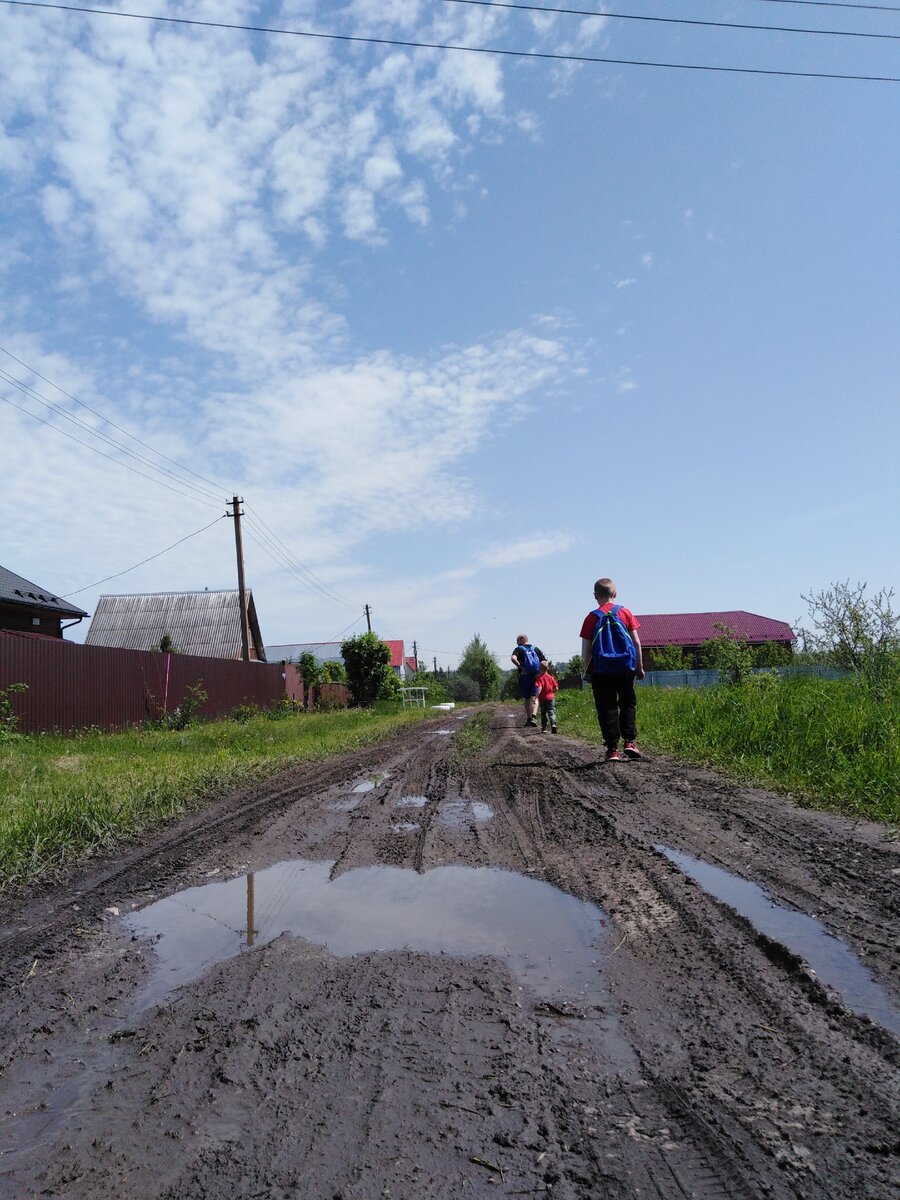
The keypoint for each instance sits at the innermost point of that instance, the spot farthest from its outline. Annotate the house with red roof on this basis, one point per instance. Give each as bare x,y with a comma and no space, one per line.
690,630
324,652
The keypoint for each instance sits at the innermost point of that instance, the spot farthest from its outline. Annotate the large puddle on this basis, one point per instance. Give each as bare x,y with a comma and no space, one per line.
551,941
835,965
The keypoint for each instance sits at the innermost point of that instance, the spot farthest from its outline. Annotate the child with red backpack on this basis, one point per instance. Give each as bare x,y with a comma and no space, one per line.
612,658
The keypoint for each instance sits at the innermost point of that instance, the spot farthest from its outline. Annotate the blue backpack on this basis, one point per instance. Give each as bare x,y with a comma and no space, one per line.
531,664
612,647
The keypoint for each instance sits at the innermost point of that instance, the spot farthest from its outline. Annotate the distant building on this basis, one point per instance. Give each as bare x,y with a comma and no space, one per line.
324,652
690,630
202,623
27,608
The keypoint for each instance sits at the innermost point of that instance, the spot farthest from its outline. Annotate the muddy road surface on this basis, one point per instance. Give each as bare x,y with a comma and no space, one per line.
418,973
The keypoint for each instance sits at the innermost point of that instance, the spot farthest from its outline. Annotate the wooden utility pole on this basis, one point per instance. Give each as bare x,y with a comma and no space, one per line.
368,619
242,590
415,653
434,660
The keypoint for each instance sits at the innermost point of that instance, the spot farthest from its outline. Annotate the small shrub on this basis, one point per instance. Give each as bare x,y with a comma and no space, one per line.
243,713
9,718
728,654
287,706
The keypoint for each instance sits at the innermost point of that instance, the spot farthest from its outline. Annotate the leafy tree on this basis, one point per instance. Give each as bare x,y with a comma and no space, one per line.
479,664
462,688
436,692
728,654
309,668
772,654
509,689
365,658
670,658
334,671
389,688
853,631
166,645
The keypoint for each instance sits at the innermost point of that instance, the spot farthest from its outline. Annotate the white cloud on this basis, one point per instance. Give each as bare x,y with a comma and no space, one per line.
526,549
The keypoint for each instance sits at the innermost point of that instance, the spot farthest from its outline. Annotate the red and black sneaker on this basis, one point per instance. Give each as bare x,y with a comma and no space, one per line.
613,755
632,751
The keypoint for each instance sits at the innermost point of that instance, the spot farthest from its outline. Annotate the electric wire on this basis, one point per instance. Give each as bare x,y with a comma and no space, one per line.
283,556
538,55
324,587
87,445
107,421
616,16
836,4
278,556
58,409
128,570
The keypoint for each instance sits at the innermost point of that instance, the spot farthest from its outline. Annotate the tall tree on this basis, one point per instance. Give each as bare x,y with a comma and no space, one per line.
479,664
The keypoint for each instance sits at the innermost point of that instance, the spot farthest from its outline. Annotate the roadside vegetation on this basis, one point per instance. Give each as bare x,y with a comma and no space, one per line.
834,743
471,737
66,796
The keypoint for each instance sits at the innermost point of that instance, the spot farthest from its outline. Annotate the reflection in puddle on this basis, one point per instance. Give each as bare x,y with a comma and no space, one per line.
835,965
343,805
443,731
460,813
546,936
412,801
372,782
405,827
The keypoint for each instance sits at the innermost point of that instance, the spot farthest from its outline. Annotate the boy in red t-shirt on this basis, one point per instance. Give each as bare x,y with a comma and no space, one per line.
547,689
614,696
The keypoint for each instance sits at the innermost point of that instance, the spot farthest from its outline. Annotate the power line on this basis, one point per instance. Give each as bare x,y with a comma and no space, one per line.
836,4
118,461
314,579
107,421
544,56
283,560
119,574
615,16
33,394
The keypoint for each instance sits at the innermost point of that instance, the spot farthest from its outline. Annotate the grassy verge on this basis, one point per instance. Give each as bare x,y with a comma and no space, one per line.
470,737
61,797
833,743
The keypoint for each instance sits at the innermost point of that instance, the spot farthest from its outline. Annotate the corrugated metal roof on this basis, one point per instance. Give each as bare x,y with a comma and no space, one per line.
204,623
325,651
691,629
16,590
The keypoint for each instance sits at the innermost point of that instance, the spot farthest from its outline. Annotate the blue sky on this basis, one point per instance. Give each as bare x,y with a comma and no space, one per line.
465,331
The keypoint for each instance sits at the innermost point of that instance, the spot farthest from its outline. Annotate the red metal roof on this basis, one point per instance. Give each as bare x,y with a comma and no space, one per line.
690,629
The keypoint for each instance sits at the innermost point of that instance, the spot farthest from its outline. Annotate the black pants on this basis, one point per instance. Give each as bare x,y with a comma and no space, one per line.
616,707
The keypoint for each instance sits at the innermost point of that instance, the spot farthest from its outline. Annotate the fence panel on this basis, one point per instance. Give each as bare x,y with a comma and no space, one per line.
698,679
79,687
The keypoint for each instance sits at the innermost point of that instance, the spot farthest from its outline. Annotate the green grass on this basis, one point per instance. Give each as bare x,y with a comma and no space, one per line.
833,743
63,797
471,736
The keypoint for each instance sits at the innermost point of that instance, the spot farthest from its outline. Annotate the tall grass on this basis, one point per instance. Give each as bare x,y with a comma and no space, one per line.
834,743
62,797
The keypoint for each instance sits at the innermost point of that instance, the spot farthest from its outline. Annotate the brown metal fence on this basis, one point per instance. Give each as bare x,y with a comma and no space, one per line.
80,687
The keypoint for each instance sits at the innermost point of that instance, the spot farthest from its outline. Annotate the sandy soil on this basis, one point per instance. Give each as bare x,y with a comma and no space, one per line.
409,976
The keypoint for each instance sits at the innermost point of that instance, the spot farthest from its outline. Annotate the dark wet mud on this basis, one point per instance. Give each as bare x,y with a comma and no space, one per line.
402,974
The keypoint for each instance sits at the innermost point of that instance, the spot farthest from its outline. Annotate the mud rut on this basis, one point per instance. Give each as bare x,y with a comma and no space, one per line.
715,1065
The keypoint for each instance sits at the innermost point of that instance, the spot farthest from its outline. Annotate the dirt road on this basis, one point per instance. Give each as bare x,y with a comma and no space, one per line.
414,975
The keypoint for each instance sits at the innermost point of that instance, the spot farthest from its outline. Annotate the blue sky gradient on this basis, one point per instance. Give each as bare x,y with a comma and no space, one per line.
465,331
